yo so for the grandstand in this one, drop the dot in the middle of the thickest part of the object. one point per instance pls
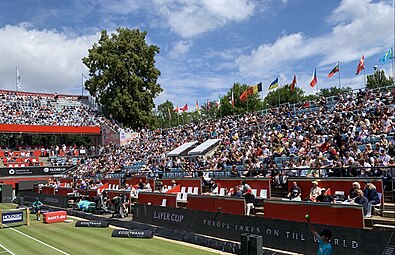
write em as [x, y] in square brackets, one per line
[200, 166]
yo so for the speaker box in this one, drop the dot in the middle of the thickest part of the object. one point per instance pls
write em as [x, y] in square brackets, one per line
[245, 240]
[256, 243]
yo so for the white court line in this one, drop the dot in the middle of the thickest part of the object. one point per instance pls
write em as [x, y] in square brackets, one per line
[39, 241]
[6, 250]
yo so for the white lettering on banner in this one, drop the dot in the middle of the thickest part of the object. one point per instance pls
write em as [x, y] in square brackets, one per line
[57, 217]
[168, 216]
[12, 217]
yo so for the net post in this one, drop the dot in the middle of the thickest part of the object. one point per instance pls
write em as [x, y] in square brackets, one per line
[28, 217]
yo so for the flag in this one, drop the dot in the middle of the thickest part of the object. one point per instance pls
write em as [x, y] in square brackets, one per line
[361, 65]
[255, 89]
[18, 79]
[218, 103]
[244, 95]
[274, 84]
[197, 107]
[232, 100]
[185, 108]
[334, 70]
[293, 84]
[314, 78]
[388, 55]
[177, 109]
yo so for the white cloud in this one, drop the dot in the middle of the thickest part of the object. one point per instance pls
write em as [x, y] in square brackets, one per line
[48, 61]
[359, 27]
[180, 49]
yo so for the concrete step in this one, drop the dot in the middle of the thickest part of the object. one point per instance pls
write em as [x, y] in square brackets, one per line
[389, 206]
[389, 213]
[370, 222]
[384, 227]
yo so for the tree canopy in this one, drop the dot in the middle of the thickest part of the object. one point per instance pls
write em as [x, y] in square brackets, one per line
[286, 96]
[378, 79]
[123, 76]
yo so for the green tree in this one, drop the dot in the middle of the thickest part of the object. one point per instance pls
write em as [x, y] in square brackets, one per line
[252, 104]
[286, 96]
[334, 91]
[123, 76]
[378, 79]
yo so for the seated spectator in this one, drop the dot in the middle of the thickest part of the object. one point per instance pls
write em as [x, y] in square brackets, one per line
[353, 192]
[360, 199]
[250, 201]
[295, 192]
[235, 192]
[164, 189]
[234, 172]
[315, 191]
[324, 197]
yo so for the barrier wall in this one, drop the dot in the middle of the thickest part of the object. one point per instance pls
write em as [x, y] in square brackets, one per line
[157, 199]
[255, 183]
[335, 184]
[12, 128]
[185, 182]
[217, 204]
[278, 234]
[320, 213]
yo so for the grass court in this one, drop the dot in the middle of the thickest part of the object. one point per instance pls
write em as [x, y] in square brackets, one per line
[63, 238]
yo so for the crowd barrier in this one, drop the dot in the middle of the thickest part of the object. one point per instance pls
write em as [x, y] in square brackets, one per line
[159, 199]
[217, 204]
[321, 213]
[259, 186]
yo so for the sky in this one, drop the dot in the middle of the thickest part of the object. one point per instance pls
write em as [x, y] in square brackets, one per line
[205, 45]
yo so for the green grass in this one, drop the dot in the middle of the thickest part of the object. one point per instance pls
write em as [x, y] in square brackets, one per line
[84, 241]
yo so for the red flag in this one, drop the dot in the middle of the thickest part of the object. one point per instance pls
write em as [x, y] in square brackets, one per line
[176, 110]
[185, 108]
[244, 96]
[250, 90]
[361, 64]
[293, 84]
[314, 79]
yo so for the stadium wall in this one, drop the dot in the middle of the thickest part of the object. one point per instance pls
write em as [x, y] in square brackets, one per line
[13, 128]
[278, 234]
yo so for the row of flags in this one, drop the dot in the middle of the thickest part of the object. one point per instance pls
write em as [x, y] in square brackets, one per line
[254, 89]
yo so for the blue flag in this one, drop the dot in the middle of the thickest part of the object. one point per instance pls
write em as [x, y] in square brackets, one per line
[386, 56]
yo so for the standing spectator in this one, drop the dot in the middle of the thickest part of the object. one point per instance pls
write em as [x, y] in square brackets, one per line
[370, 192]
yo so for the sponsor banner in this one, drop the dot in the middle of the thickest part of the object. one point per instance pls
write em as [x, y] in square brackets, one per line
[46, 199]
[92, 224]
[132, 233]
[278, 234]
[52, 217]
[31, 171]
[127, 137]
[11, 217]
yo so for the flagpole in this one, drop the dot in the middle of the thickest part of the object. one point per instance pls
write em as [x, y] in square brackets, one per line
[263, 105]
[82, 84]
[247, 102]
[340, 86]
[364, 77]
[16, 79]
[278, 92]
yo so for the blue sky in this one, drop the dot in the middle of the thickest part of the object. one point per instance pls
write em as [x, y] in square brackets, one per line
[206, 45]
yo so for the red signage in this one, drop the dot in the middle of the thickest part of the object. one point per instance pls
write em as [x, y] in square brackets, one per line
[52, 217]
